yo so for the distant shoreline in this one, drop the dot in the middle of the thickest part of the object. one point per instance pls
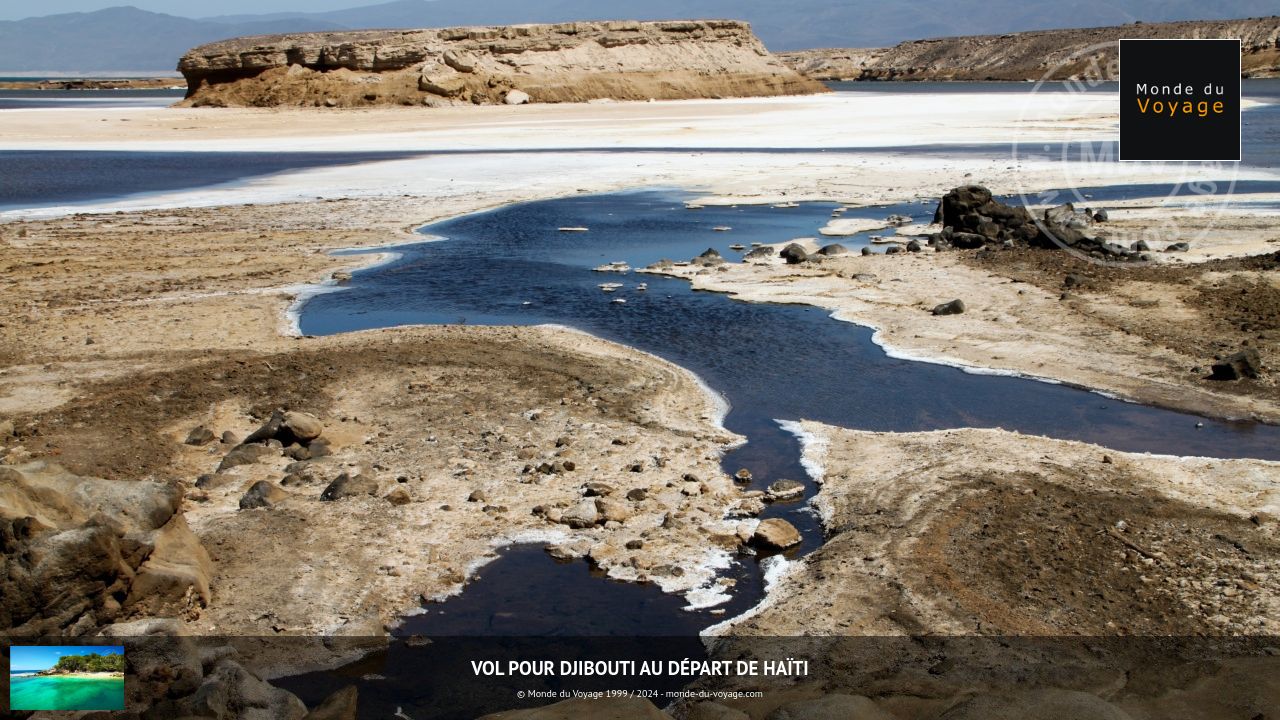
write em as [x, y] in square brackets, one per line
[74, 83]
[51, 673]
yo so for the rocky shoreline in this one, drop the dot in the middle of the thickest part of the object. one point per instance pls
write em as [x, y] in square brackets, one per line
[125, 333]
[1037, 283]
[1031, 56]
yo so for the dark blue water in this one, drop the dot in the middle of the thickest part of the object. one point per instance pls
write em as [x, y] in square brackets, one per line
[47, 178]
[771, 361]
[511, 266]
[49, 99]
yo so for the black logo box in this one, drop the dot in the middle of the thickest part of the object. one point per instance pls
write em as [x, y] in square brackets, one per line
[1193, 62]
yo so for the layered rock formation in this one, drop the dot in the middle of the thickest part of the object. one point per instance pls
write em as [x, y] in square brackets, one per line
[569, 62]
[81, 552]
[1050, 54]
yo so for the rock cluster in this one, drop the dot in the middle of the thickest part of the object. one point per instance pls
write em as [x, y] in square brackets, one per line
[514, 65]
[971, 218]
[172, 674]
[81, 552]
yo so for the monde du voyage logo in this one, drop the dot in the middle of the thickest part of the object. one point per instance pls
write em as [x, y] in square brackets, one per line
[1180, 99]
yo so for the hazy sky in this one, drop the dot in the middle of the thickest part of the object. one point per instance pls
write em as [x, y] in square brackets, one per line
[18, 9]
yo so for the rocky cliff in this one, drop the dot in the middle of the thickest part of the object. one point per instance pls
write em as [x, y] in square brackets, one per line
[569, 62]
[1057, 54]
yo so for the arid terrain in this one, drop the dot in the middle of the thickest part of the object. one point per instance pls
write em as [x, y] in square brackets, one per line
[143, 342]
[1033, 55]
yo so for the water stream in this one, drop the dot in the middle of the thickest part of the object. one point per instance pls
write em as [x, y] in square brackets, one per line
[771, 362]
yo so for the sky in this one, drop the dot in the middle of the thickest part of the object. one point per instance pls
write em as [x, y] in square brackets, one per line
[18, 9]
[43, 657]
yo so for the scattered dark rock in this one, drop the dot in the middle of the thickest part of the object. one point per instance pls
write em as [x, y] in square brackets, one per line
[955, 307]
[785, 490]
[268, 430]
[833, 249]
[710, 256]
[597, 489]
[972, 219]
[246, 455]
[262, 494]
[760, 253]
[637, 494]
[914, 246]
[893, 250]
[867, 251]
[1244, 364]
[347, 486]
[967, 240]
[200, 435]
[1140, 246]
[1178, 247]
[230, 438]
[794, 254]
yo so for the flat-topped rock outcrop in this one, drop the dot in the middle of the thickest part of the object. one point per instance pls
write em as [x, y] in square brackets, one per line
[1057, 54]
[567, 62]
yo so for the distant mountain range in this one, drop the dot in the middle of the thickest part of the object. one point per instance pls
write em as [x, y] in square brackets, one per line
[129, 39]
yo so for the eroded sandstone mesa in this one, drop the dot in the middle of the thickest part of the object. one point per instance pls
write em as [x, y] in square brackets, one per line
[567, 62]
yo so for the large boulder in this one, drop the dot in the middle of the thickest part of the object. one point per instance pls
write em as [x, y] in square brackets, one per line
[776, 534]
[1245, 364]
[304, 426]
[794, 254]
[583, 515]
